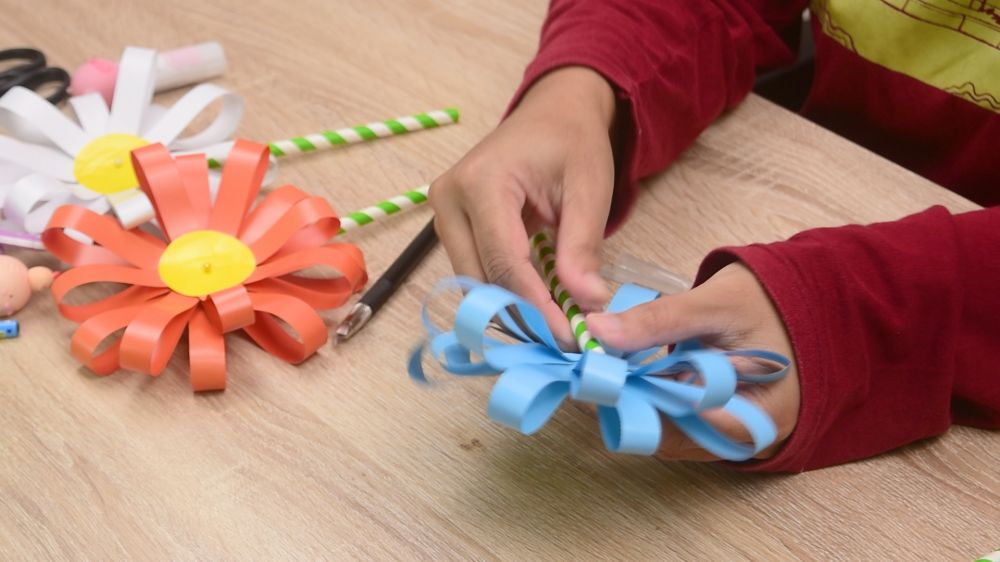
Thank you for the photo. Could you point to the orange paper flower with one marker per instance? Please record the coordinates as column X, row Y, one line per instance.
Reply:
column 217, row 268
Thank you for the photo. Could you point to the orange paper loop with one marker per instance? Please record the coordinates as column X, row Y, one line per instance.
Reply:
column 153, row 334
column 344, row 258
column 274, row 205
column 207, row 353
column 160, row 179
column 268, row 333
column 211, row 270
column 312, row 212
column 230, row 309
column 94, row 331
column 242, row 175
column 145, row 286
column 111, row 244
column 192, row 167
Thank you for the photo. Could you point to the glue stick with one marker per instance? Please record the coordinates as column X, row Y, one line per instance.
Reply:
column 176, row 68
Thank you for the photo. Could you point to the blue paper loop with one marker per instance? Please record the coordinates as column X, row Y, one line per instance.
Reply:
column 631, row 390
column 600, row 378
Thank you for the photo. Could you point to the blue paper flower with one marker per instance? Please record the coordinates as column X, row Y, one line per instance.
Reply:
column 630, row 390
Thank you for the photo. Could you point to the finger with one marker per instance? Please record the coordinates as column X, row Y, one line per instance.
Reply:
column 505, row 256
column 676, row 445
column 582, row 219
column 453, row 229
column 666, row 320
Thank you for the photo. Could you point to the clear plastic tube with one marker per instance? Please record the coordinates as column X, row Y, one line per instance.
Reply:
column 627, row 268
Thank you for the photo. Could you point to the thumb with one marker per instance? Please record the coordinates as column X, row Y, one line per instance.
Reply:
column 666, row 320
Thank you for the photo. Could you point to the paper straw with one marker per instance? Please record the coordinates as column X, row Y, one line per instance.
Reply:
column 360, row 133
column 20, row 239
column 546, row 256
column 382, row 209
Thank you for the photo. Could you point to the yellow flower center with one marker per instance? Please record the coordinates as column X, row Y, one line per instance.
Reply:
column 104, row 165
column 203, row 262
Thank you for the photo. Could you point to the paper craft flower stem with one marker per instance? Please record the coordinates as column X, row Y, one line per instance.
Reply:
column 357, row 134
column 545, row 255
column 631, row 390
column 382, row 209
column 217, row 268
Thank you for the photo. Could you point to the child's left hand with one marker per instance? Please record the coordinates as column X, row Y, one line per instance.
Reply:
column 729, row 311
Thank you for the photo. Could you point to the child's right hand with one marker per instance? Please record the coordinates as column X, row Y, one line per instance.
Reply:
column 549, row 164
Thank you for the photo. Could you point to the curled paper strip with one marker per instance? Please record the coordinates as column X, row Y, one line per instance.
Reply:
column 87, row 163
column 631, row 390
column 216, row 268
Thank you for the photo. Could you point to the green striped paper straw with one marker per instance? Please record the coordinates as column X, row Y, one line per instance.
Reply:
column 383, row 209
column 359, row 133
column 992, row 557
column 546, row 256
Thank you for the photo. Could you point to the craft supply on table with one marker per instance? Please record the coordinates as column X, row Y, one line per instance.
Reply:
column 174, row 69
column 9, row 328
column 357, row 133
column 380, row 291
column 18, row 282
column 545, row 255
column 216, row 268
column 991, row 557
column 33, row 73
column 383, row 209
column 88, row 164
column 20, row 239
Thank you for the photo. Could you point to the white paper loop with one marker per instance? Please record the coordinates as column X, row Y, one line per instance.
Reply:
column 132, row 208
column 92, row 113
column 186, row 109
column 32, row 200
column 133, row 90
column 45, row 117
column 42, row 159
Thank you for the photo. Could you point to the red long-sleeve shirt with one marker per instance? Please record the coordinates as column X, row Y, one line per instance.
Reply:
column 895, row 326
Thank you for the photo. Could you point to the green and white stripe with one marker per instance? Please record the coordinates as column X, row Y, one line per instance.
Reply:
column 994, row 557
column 358, row 133
column 383, row 209
column 361, row 133
column 546, row 256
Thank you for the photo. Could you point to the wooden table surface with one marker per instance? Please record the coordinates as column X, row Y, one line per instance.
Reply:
column 342, row 457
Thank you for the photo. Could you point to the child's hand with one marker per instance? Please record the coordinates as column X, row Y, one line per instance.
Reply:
column 548, row 164
column 730, row 310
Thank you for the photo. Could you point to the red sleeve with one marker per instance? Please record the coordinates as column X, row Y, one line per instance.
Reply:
column 895, row 327
column 676, row 65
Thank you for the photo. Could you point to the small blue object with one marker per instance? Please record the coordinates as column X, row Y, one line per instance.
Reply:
column 9, row 329
column 631, row 390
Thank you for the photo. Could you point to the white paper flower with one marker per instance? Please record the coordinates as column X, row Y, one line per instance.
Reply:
column 89, row 164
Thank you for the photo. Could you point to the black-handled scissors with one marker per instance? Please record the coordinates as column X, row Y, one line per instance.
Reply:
column 33, row 73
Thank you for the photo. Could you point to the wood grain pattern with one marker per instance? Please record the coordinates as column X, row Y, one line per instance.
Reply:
column 342, row 457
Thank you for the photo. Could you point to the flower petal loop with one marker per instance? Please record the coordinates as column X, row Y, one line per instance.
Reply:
column 632, row 391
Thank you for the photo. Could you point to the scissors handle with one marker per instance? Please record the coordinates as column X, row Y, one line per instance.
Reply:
column 52, row 75
column 33, row 73
column 34, row 60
